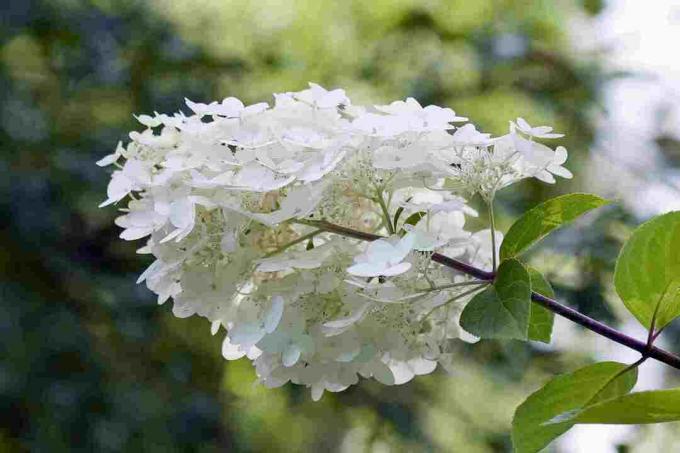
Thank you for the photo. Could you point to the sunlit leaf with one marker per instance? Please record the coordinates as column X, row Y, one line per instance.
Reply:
column 636, row 408
column 531, row 426
column 537, row 222
column 647, row 275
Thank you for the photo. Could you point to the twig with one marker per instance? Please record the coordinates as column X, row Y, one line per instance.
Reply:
column 589, row 323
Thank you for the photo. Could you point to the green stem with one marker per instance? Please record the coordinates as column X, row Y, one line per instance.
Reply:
column 455, row 298
column 453, row 285
column 493, row 233
column 386, row 212
column 292, row 243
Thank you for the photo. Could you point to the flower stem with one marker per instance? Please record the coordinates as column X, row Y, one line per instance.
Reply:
column 454, row 285
column 453, row 299
column 293, row 242
column 386, row 213
column 492, row 225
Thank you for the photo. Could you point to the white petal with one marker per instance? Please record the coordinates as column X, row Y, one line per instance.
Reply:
column 148, row 121
column 523, row 125
column 540, row 131
column 380, row 250
column 132, row 234
column 551, row 136
column 231, row 351
column 367, row 269
column 317, row 391
column 422, row 366
column 290, row 356
column 560, row 171
column 560, row 155
column 402, row 372
column 273, row 316
column 253, row 353
column 108, row 160
column 154, row 267
column 182, row 213
column 545, row 176
column 344, row 322
column 246, row 333
column 382, row 373
column 467, row 337
column 396, row 270
column 182, row 310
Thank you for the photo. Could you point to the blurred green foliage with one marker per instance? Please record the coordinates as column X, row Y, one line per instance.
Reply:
column 87, row 359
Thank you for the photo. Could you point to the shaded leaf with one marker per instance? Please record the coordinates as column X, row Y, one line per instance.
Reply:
column 541, row 319
column 414, row 218
column 502, row 310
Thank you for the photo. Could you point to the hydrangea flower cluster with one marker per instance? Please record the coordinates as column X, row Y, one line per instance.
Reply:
column 233, row 199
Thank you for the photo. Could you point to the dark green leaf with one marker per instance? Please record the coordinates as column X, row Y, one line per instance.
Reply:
column 502, row 310
column 414, row 218
column 537, row 222
column 647, row 275
column 541, row 319
column 397, row 214
column 531, row 426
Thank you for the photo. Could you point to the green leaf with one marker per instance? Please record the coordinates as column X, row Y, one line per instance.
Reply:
column 636, row 408
column 532, row 428
column 647, row 275
column 502, row 310
column 537, row 222
column 541, row 319
column 397, row 214
column 414, row 218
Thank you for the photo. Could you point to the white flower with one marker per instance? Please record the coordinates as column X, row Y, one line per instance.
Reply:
column 213, row 191
column 140, row 221
column 479, row 250
column 256, row 322
column 322, row 98
column 135, row 175
column 229, row 107
column 308, row 259
column 540, row 161
column 112, row 158
column 432, row 201
column 298, row 203
column 289, row 340
column 538, row 131
column 555, row 167
column 439, row 229
column 428, row 118
column 232, row 351
column 404, row 371
column 149, row 121
column 468, row 135
column 384, row 257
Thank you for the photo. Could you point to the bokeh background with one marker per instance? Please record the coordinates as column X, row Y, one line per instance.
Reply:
column 89, row 362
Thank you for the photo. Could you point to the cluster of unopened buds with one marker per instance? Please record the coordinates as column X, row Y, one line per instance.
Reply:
column 235, row 202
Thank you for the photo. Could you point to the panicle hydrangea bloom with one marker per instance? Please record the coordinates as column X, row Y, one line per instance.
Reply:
column 229, row 198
